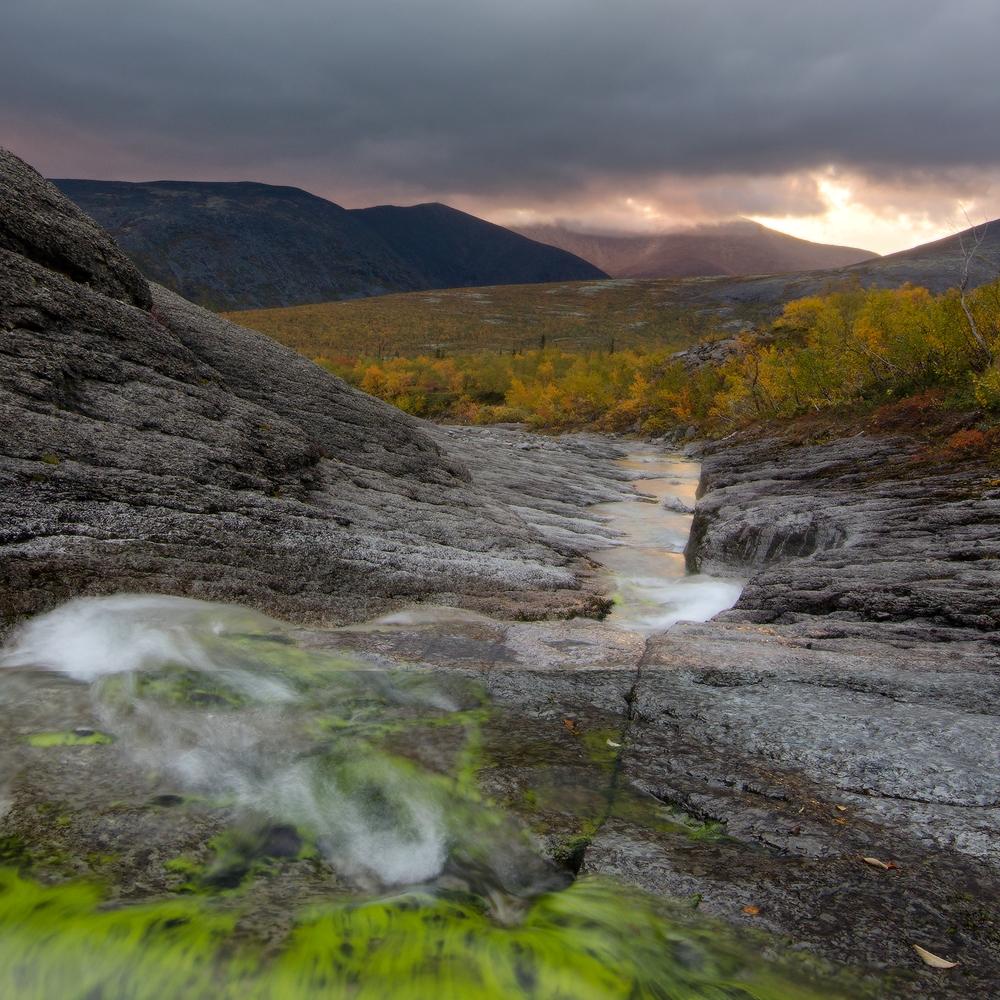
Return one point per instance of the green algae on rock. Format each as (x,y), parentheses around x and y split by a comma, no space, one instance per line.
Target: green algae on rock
(592,941)
(337,834)
(84,738)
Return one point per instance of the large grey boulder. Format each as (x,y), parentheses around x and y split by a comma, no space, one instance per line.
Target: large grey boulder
(146,444)
(38,223)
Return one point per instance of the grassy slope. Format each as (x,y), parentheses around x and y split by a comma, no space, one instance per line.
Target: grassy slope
(585,315)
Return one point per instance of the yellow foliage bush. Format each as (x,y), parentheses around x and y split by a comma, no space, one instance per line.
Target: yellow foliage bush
(853,347)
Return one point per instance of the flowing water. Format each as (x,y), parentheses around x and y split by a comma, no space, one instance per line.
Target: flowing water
(649,582)
(199,806)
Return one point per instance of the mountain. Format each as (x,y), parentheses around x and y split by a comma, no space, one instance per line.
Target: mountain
(726,248)
(222,245)
(244,245)
(937,266)
(149,445)
(452,249)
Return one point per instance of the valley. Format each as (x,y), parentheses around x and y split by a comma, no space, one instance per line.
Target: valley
(303,688)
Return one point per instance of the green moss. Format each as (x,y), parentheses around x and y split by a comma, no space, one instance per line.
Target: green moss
(598,744)
(50,459)
(14,852)
(570,853)
(238,856)
(187,687)
(651,814)
(60,942)
(594,941)
(69,739)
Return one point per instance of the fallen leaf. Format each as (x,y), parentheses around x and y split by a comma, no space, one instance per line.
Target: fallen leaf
(842,809)
(611,743)
(877,863)
(929,958)
(570,725)
(841,822)
(752,911)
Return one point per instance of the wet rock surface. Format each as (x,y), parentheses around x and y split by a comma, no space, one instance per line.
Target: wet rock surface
(746,770)
(846,708)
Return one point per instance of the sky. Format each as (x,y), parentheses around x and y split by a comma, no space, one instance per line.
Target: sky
(872,124)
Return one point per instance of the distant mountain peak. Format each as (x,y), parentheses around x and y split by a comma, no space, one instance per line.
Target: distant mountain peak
(729,247)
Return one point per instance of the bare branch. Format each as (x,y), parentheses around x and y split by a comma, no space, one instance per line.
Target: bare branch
(968,255)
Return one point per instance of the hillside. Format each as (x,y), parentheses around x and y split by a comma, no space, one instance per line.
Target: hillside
(230,245)
(452,249)
(936,266)
(591,315)
(243,245)
(727,248)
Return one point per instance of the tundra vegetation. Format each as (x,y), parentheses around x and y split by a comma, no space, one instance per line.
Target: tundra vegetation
(855,349)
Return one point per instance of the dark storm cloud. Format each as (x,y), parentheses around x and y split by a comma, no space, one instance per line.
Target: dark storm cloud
(542,98)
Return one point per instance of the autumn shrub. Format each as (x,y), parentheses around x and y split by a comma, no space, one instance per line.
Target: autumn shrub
(903,353)
(920,411)
(971,444)
(986,387)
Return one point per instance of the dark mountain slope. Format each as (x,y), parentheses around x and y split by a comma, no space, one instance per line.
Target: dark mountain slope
(728,248)
(231,245)
(454,249)
(243,245)
(148,445)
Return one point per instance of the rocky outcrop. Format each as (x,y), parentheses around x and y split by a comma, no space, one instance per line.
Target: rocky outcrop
(888,540)
(146,444)
(843,709)
(41,226)
(846,708)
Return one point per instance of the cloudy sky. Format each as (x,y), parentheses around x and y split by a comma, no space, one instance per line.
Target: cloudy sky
(869,122)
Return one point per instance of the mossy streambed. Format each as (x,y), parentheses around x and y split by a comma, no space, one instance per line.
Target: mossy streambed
(198,806)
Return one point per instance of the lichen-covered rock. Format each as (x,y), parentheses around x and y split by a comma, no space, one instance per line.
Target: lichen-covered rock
(38,223)
(165,449)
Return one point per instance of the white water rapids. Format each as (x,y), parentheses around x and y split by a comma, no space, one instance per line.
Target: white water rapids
(649,581)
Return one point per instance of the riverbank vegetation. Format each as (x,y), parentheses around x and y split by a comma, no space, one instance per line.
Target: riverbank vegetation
(627,357)
(860,348)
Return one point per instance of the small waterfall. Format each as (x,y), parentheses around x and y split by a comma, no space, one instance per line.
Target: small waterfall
(648,579)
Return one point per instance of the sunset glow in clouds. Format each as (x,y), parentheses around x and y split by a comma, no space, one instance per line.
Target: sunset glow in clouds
(861,124)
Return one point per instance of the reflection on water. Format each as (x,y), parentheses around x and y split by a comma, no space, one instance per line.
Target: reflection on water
(650,585)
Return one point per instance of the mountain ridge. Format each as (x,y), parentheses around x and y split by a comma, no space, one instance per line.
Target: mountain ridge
(726,249)
(245,244)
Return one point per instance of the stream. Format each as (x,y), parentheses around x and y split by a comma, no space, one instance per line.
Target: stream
(652,589)
(199,804)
